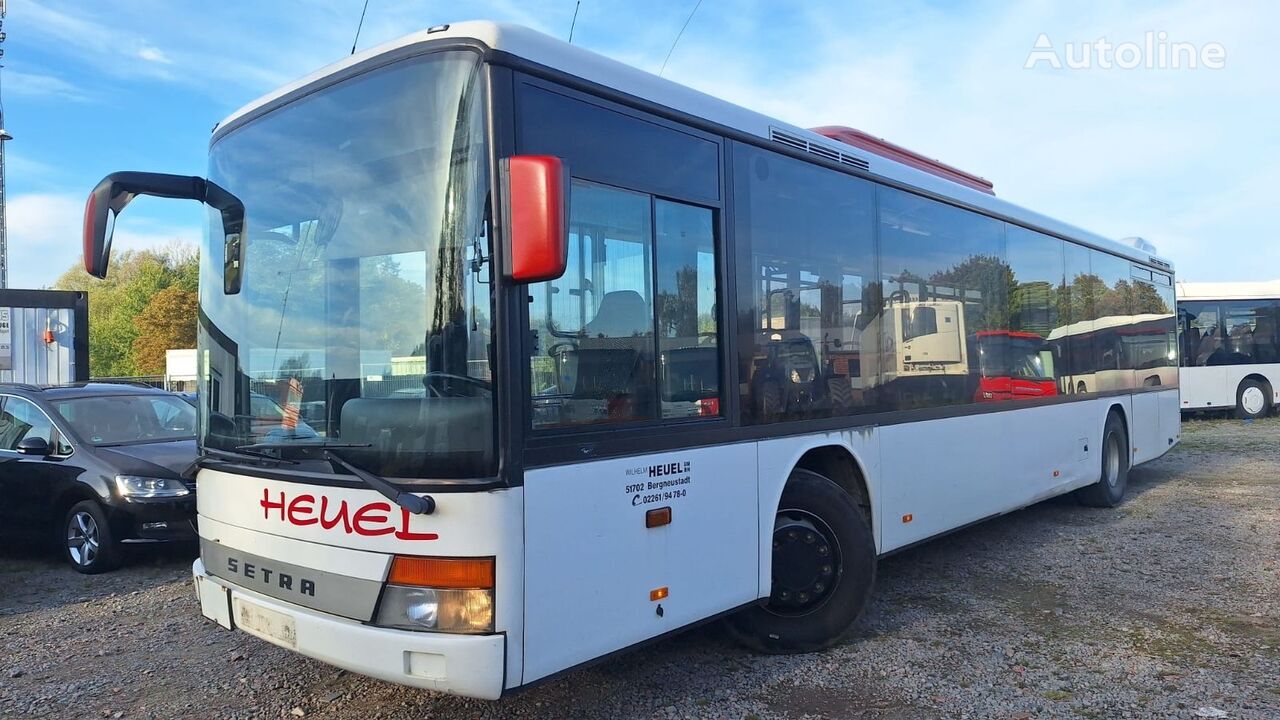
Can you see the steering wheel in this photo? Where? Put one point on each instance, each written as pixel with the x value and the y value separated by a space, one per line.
pixel 435 390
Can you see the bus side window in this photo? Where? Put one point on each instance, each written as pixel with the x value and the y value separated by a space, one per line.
pixel 808 303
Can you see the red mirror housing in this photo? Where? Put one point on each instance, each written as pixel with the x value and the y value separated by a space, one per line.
pixel 535 197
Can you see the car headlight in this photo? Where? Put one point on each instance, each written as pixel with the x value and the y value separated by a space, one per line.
pixel 133 487
pixel 436 609
pixel 452 595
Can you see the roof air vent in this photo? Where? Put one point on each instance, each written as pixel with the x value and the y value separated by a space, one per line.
pixel 825 152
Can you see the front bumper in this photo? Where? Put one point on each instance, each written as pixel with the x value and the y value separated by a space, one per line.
pixel 145 521
pixel 471 665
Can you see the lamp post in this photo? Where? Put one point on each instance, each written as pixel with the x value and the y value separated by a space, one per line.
pixel 5 137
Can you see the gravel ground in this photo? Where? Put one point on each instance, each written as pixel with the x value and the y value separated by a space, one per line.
pixel 1166 607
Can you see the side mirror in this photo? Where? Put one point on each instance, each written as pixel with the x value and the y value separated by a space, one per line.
pixel 117 190
pixel 36 446
pixel 535 196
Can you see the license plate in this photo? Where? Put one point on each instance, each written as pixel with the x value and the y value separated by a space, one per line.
pixel 268 624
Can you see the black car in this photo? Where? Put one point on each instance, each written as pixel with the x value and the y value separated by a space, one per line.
pixel 97 465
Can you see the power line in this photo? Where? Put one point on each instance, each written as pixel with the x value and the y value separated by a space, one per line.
pixel 358 26
pixel 678 36
pixel 574 23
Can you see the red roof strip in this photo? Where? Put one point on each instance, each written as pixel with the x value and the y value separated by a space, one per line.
pixel 884 148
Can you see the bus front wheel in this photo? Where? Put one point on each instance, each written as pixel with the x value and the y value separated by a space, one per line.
pixel 824 565
pixel 1252 400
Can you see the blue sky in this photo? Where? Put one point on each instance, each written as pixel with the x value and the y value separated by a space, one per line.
pixel 1189 159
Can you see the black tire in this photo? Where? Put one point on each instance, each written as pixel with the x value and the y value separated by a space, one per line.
pixel 1113 476
pixel 88 544
pixel 812 505
pixel 1255 390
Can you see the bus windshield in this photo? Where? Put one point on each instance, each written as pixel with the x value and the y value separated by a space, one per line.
pixel 364 310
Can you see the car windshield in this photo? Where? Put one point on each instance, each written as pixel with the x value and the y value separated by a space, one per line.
pixel 1014 356
pixel 125 419
pixel 364 310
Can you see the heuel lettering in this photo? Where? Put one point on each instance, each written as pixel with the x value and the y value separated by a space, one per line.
pixel 370 519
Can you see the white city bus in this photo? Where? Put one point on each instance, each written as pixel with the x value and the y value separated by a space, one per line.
pixel 577 351
pixel 1230 339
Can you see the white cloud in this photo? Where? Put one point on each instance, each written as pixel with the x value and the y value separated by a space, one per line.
pixel 37 85
pixel 154 54
pixel 45 236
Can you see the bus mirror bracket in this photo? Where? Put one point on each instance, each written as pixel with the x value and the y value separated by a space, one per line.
pixel 117 190
pixel 535 198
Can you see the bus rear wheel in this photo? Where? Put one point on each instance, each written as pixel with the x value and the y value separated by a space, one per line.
pixel 1109 490
pixel 824 566
pixel 1252 400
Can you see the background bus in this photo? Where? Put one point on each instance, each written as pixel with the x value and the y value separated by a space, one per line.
pixel 1230 340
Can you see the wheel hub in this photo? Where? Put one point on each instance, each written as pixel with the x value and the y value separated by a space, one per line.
pixel 82 538
pixel 806 563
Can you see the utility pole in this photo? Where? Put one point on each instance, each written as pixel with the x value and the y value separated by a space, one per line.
pixel 4 199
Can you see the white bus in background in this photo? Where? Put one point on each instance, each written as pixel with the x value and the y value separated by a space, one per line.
pixel 639 404
pixel 1230 340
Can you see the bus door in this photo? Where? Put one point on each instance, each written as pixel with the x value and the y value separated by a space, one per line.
pixel 633 526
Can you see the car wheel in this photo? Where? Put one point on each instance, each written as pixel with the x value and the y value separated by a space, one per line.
pixel 88 544
pixel 1114 478
pixel 1252 400
pixel 824 565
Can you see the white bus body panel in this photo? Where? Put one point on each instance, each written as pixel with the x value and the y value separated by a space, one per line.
pixel 1214 387
pixel 466 524
pixel 591 563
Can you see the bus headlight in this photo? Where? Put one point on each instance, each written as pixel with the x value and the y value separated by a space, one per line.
pixel 452 595
pixel 436 609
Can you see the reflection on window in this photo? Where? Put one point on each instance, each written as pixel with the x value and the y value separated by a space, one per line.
pixel 594 354
pixel 20 420
pixel 809 304
pixel 365 311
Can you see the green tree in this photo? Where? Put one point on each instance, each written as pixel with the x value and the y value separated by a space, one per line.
pixel 134 279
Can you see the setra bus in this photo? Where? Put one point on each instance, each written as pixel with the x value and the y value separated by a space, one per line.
pixel 1230 339
pixel 585 357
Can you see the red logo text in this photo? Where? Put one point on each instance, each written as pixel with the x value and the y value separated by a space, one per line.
pixel 369 519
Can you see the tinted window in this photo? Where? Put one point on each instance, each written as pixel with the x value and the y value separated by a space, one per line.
pixel 1201 326
pixel 20 420
pixel 117 419
pixel 1251 331
pixel 808 301
pixel 1035 313
pixel 947 288
pixel 611 147
pixel 1073 342
pixel 608 343
pixel 1114 310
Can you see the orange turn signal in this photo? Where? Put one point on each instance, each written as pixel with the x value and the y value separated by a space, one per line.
pixel 657 517
pixel 436 572
pixel 659 594
pixel 908 518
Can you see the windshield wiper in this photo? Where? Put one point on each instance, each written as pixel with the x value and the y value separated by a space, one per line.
pixel 306 445
pixel 249 453
pixel 418 505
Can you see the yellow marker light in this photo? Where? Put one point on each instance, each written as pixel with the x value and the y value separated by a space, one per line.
pixel 437 572
pixel 659 594
pixel 907 518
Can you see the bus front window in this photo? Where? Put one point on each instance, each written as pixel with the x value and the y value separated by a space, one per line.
pixel 364 315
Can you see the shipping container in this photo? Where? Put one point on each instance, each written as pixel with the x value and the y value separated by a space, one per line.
pixel 44 336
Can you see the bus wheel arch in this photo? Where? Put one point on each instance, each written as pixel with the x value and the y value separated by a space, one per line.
pixel 838 464
pixel 1251 386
